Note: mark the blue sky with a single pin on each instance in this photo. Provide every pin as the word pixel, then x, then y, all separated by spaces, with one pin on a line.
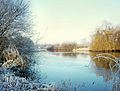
pixel 72 20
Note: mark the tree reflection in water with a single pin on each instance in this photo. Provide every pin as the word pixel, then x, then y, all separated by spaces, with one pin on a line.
pixel 66 54
pixel 107 65
pixel 70 54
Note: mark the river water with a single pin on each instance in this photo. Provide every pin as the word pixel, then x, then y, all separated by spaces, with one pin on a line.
pixel 75 69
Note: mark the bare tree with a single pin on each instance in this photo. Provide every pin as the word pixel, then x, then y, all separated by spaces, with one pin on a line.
pixel 14 22
pixel 13 17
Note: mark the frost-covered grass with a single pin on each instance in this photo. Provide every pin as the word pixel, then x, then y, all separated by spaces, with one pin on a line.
pixel 10 82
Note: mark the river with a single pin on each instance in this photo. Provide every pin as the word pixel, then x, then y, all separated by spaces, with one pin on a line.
pixel 74 69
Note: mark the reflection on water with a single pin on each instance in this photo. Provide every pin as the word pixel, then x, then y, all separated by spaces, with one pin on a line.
pixel 101 62
pixel 70 54
pixel 80 68
pixel 105 61
pixel 107 73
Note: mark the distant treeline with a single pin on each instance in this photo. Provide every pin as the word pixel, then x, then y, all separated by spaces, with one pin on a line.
pixel 66 47
pixel 106 38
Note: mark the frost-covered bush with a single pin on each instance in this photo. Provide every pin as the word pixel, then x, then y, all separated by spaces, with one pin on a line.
pixel 10 82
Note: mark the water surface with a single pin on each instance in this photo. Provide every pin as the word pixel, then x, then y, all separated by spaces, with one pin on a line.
pixel 79 69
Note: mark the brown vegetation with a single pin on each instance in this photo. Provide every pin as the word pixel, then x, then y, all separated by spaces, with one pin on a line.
pixel 106 38
pixel 12 58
